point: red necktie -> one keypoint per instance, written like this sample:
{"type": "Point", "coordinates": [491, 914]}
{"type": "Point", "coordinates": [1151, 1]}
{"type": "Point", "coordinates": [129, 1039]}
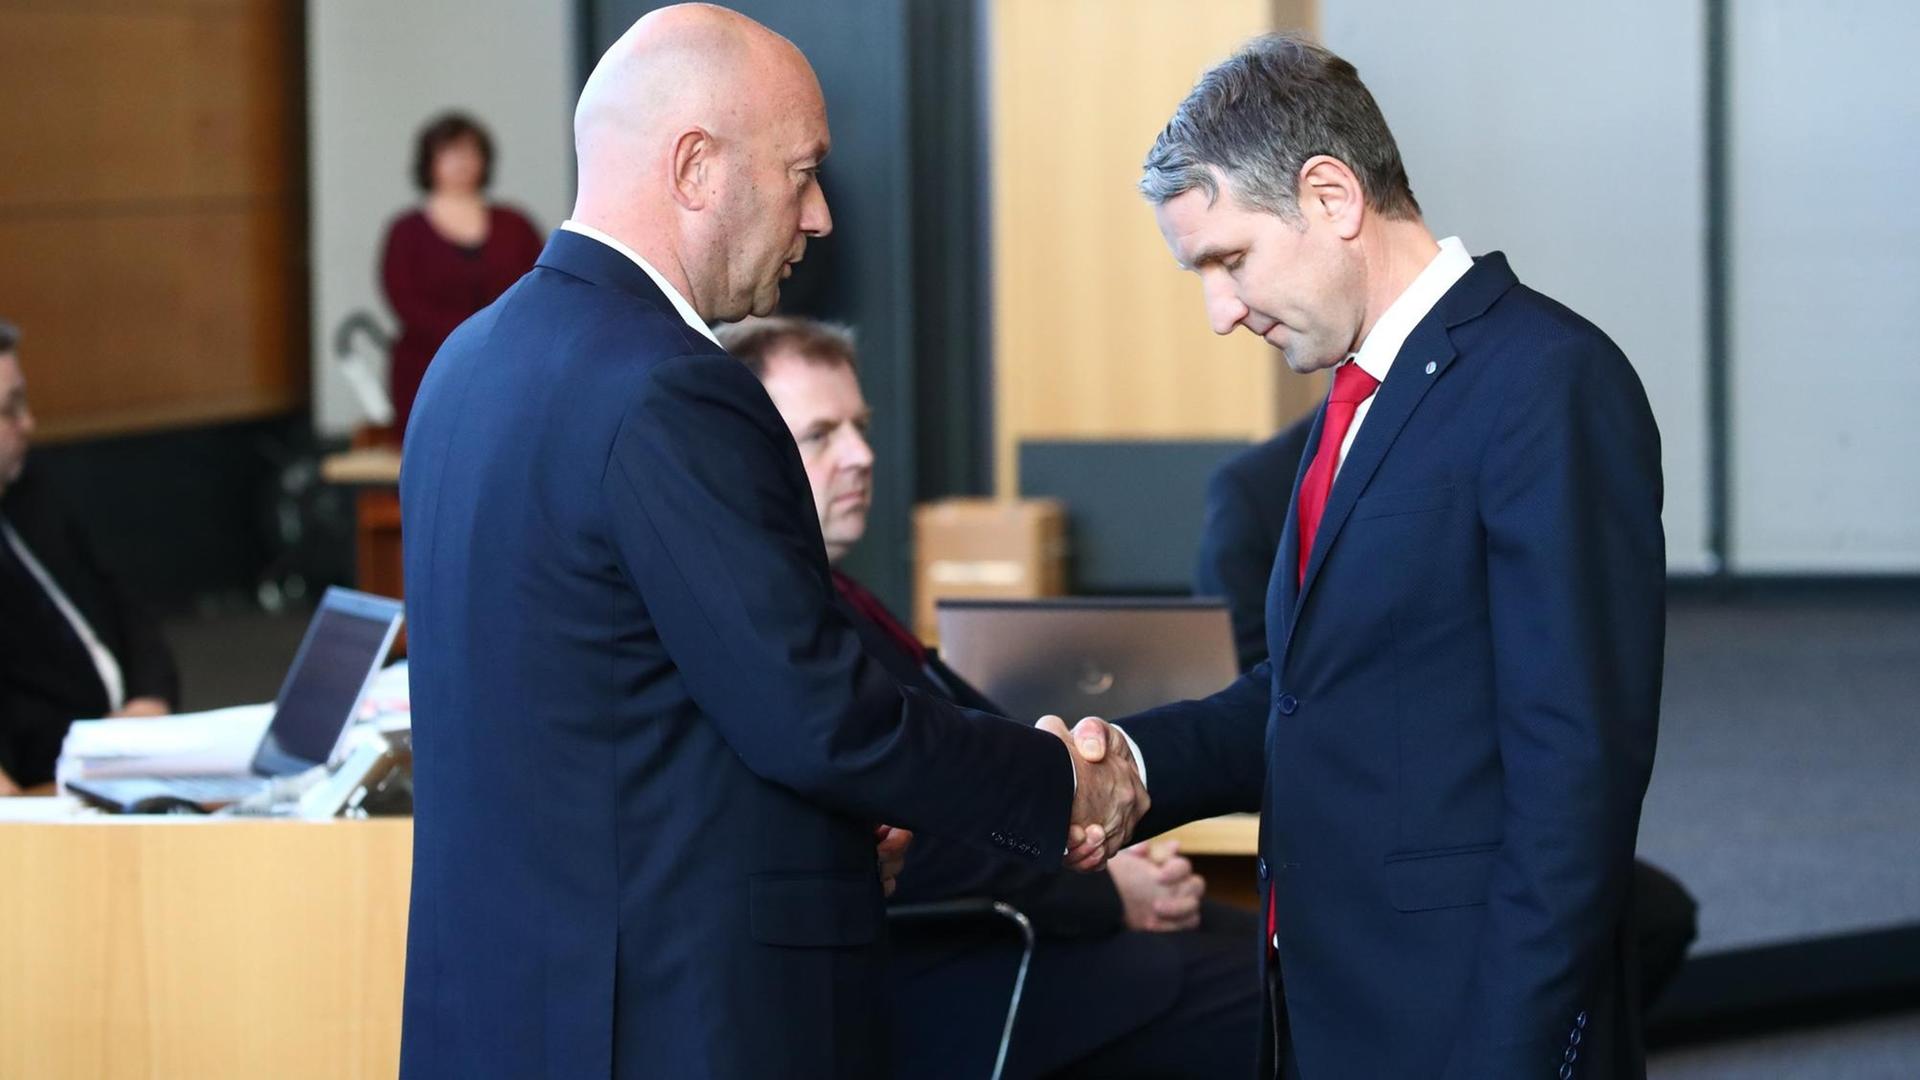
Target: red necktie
{"type": "Point", "coordinates": [864, 602]}
{"type": "Point", "coordinates": [1351, 386]}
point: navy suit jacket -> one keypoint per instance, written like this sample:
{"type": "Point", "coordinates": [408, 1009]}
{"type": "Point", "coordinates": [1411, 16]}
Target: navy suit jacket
{"type": "Point", "coordinates": [47, 677]}
{"type": "Point", "coordinates": [649, 752]}
{"type": "Point", "coordinates": [1451, 741]}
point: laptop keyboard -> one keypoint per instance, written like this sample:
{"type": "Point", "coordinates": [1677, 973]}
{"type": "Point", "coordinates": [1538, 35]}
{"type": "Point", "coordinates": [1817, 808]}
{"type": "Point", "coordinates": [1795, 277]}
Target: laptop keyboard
{"type": "Point", "coordinates": [214, 788]}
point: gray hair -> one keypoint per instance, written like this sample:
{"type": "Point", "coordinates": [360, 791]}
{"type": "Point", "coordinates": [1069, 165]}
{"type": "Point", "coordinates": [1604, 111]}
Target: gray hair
{"type": "Point", "coordinates": [1259, 115]}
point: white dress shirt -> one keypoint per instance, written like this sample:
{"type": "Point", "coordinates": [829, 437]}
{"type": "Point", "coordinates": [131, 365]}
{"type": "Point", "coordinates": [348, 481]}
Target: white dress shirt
{"type": "Point", "coordinates": [673, 295]}
{"type": "Point", "coordinates": [1383, 342]}
{"type": "Point", "coordinates": [104, 663]}
{"type": "Point", "coordinates": [1381, 346]}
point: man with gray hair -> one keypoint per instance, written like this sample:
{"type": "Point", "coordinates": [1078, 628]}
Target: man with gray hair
{"type": "Point", "coordinates": [1451, 739]}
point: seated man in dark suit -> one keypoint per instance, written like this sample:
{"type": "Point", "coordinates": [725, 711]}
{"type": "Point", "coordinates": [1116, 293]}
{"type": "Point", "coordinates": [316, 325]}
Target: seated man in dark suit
{"type": "Point", "coordinates": [1247, 501]}
{"type": "Point", "coordinates": [72, 645]}
{"type": "Point", "coordinates": [1136, 974]}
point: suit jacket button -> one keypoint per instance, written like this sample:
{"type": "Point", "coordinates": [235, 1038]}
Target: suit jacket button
{"type": "Point", "coordinates": [1261, 868]}
{"type": "Point", "coordinates": [1572, 1054]}
{"type": "Point", "coordinates": [1566, 1071]}
{"type": "Point", "coordinates": [1288, 703]}
{"type": "Point", "coordinates": [1580, 1021]}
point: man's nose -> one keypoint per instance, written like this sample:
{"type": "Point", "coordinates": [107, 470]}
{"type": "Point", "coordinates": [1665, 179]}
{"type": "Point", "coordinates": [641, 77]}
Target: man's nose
{"type": "Point", "coordinates": [815, 219]}
{"type": "Point", "coordinates": [1224, 309]}
{"type": "Point", "coordinates": [859, 454]}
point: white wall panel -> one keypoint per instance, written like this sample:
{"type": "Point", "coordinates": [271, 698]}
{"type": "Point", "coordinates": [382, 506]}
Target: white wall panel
{"type": "Point", "coordinates": [1571, 137]}
{"type": "Point", "coordinates": [1825, 306]}
{"type": "Point", "coordinates": [377, 69]}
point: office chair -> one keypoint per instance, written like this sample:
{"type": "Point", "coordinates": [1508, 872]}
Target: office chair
{"type": "Point", "coordinates": [982, 909]}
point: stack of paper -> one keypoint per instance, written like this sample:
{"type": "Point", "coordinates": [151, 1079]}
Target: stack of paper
{"type": "Point", "coordinates": [388, 702]}
{"type": "Point", "coordinates": [186, 744]}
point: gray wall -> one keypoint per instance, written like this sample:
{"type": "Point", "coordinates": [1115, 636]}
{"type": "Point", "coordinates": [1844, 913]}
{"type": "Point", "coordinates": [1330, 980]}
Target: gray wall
{"type": "Point", "coordinates": [1571, 137]}
{"type": "Point", "coordinates": [1574, 137]}
{"type": "Point", "coordinates": [376, 70]}
{"type": "Point", "coordinates": [1825, 306]}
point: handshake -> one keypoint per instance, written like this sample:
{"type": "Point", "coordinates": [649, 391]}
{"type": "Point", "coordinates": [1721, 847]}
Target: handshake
{"type": "Point", "coordinates": [1109, 799]}
{"type": "Point", "coordinates": [1109, 796]}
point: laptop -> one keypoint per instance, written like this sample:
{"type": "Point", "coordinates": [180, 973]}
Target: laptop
{"type": "Point", "coordinates": [346, 642]}
{"type": "Point", "coordinates": [1088, 656]}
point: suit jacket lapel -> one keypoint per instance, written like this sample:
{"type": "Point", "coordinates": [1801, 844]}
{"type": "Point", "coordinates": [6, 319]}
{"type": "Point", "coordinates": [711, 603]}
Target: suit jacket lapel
{"type": "Point", "coordinates": [1394, 402]}
{"type": "Point", "coordinates": [1283, 588]}
{"type": "Point", "coordinates": [1407, 383]}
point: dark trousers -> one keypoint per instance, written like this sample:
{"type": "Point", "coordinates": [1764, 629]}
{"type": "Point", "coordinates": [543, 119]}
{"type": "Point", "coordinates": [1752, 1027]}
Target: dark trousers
{"type": "Point", "coordinates": [1211, 1031]}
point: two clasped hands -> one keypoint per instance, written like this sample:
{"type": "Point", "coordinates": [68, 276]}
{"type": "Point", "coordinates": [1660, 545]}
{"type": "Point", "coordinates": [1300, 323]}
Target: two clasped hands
{"type": "Point", "coordinates": [1109, 796]}
{"type": "Point", "coordinates": [1109, 799]}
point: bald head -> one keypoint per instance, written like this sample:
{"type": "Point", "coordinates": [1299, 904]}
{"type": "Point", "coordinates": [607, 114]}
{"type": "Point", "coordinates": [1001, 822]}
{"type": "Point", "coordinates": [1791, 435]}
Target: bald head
{"type": "Point", "coordinates": [699, 136]}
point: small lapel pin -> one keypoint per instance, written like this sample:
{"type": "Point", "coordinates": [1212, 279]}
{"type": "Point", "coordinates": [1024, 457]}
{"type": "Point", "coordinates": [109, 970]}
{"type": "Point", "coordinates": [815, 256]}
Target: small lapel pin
{"type": "Point", "coordinates": [1432, 367]}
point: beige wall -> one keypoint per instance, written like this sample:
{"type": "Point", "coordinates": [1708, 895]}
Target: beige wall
{"type": "Point", "coordinates": [1097, 334]}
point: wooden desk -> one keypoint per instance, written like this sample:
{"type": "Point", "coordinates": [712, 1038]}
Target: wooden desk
{"type": "Point", "coordinates": [1234, 834]}
{"type": "Point", "coordinates": [1222, 850]}
{"type": "Point", "coordinates": [375, 471]}
{"type": "Point", "coordinates": [198, 948]}
{"type": "Point", "coordinates": [212, 948]}
{"type": "Point", "coordinates": [366, 466]}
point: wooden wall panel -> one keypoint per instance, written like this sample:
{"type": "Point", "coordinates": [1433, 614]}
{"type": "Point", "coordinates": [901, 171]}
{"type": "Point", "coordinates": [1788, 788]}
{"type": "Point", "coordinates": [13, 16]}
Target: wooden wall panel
{"type": "Point", "coordinates": [149, 317]}
{"type": "Point", "coordinates": [203, 948]}
{"type": "Point", "coordinates": [1097, 334]}
{"type": "Point", "coordinates": [149, 225]}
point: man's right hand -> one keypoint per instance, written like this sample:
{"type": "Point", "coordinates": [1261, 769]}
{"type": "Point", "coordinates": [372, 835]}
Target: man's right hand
{"type": "Point", "coordinates": [1108, 799]}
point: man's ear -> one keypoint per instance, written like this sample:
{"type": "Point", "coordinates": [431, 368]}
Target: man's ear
{"type": "Point", "coordinates": [1330, 192]}
{"type": "Point", "coordinates": [691, 161]}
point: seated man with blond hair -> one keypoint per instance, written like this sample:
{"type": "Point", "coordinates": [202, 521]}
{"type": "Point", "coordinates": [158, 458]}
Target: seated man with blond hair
{"type": "Point", "coordinates": [1175, 983]}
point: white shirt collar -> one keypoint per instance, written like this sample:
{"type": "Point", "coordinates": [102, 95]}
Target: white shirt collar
{"type": "Point", "coordinates": [1384, 340]}
{"type": "Point", "coordinates": [673, 295]}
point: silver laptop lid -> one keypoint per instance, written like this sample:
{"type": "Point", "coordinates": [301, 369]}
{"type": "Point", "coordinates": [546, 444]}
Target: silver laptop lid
{"type": "Point", "coordinates": [1088, 656]}
{"type": "Point", "coordinates": [346, 642]}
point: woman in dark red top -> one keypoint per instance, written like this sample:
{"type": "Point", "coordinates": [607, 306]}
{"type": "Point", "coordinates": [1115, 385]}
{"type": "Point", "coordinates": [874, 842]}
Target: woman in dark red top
{"type": "Point", "coordinates": [452, 256]}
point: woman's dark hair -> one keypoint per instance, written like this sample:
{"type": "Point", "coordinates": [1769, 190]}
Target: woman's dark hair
{"type": "Point", "coordinates": [447, 128]}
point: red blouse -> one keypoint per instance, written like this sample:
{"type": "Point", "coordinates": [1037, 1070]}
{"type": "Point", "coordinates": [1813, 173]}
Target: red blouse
{"type": "Point", "coordinates": [435, 284]}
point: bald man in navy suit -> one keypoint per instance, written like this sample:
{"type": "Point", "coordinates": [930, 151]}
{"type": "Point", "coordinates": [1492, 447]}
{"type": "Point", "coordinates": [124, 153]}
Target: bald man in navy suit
{"type": "Point", "coordinates": [650, 753]}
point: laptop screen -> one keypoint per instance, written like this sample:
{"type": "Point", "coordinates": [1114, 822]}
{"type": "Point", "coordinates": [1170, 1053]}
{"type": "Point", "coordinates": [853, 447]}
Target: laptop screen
{"type": "Point", "coordinates": [344, 646]}
{"type": "Point", "coordinates": [1088, 656]}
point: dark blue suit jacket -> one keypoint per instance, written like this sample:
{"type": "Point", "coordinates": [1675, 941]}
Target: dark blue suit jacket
{"type": "Point", "coordinates": [649, 752]}
{"type": "Point", "coordinates": [1451, 742]}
